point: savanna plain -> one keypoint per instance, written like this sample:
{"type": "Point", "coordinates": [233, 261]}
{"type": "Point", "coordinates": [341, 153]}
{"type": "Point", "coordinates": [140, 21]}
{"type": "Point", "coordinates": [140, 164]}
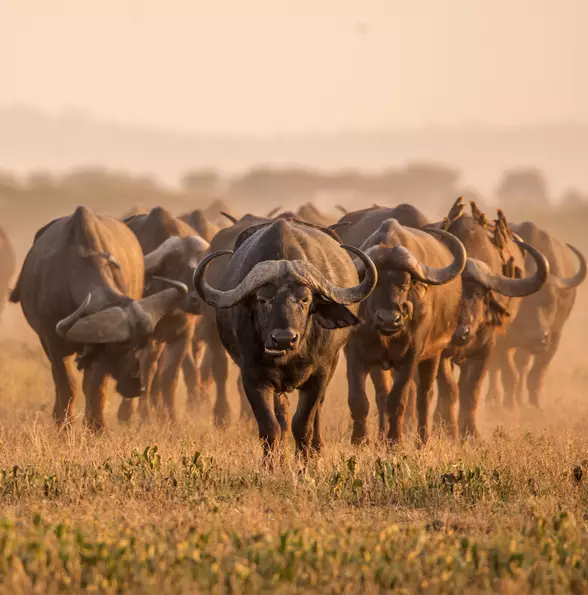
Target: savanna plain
{"type": "Point", "coordinates": [191, 508]}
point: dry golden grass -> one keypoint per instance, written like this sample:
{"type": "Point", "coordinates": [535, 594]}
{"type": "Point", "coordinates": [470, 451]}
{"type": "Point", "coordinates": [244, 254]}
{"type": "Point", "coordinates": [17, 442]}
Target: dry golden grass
{"type": "Point", "coordinates": [192, 509]}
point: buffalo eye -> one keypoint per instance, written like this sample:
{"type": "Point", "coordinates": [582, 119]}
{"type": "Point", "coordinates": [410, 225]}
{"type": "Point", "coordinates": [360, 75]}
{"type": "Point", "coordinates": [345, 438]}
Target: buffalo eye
{"type": "Point", "coordinates": [262, 301]}
{"type": "Point", "coordinates": [305, 300]}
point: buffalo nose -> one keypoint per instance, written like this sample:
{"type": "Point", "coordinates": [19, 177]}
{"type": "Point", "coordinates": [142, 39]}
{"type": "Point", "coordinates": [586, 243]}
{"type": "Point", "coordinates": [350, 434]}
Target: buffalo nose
{"type": "Point", "coordinates": [284, 339]}
{"type": "Point", "coordinates": [463, 333]}
{"type": "Point", "coordinates": [389, 317]}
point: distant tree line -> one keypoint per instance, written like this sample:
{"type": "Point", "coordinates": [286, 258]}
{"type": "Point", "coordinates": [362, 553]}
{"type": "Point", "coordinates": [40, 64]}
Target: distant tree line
{"type": "Point", "coordinates": [40, 196]}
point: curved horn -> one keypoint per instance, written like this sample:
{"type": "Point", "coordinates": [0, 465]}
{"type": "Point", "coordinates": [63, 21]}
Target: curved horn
{"type": "Point", "coordinates": [108, 326]}
{"type": "Point", "coordinates": [164, 302]}
{"type": "Point", "coordinates": [229, 217]}
{"type": "Point", "coordinates": [119, 324]}
{"type": "Point", "coordinates": [478, 271]}
{"type": "Point", "coordinates": [66, 323]}
{"type": "Point", "coordinates": [339, 225]}
{"type": "Point", "coordinates": [197, 243]}
{"type": "Point", "coordinates": [402, 258]}
{"type": "Point", "coordinates": [154, 259]}
{"type": "Point", "coordinates": [196, 248]}
{"type": "Point", "coordinates": [273, 212]}
{"type": "Point", "coordinates": [577, 279]}
{"type": "Point", "coordinates": [181, 287]}
{"type": "Point", "coordinates": [304, 272]}
{"type": "Point", "coordinates": [457, 249]}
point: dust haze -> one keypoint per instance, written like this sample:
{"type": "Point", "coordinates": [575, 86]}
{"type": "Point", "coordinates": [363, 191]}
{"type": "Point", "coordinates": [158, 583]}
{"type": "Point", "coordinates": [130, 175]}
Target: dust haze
{"type": "Point", "coordinates": [251, 106]}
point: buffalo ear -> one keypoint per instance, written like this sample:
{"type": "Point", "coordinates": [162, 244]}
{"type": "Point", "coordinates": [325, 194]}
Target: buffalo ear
{"type": "Point", "coordinates": [331, 315]}
{"type": "Point", "coordinates": [498, 313]}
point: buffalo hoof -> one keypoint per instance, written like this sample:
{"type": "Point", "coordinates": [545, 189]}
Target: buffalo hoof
{"type": "Point", "coordinates": [246, 412]}
{"type": "Point", "coordinates": [394, 442]}
{"type": "Point", "coordinates": [62, 422]}
{"type": "Point", "coordinates": [94, 426]}
{"type": "Point", "coordinates": [316, 447]}
{"type": "Point", "coordinates": [359, 435]}
{"type": "Point", "coordinates": [509, 404]}
{"type": "Point", "coordinates": [125, 411]}
{"type": "Point", "coordinates": [469, 433]}
{"type": "Point", "coordinates": [222, 417]}
{"type": "Point", "coordinates": [449, 428]}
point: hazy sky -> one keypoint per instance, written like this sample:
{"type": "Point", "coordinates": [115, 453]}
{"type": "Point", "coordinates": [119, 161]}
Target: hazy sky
{"type": "Point", "coordinates": [294, 66]}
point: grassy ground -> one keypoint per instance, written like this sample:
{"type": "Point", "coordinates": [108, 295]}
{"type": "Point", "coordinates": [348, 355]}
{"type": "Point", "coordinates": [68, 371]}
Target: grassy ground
{"type": "Point", "coordinates": [190, 508]}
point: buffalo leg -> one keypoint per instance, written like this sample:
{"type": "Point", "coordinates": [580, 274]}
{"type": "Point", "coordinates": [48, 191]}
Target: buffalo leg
{"type": "Point", "coordinates": [191, 375]}
{"type": "Point", "coordinates": [149, 361]}
{"type": "Point", "coordinates": [65, 389]}
{"type": "Point", "coordinates": [261, 400]}
{"type": "Point", "coordinates": [411, 417]}
{"type": "Point", "coordinates": [170, 374]}
{"type": "Point", "coordinates": [94, 384]}
{"type": "Point", "coordinates": [522, 359]}
{"type": "Point", "coordinates": [448, 397]}
{"type": "Point", "coordinates": [126, 410]}
{"type": "Point", "coordinates": [201, 357]}
{"type": "Point", "coordinates": [205, 369]}
{"type": "Point", "coordinates": [357, 398]}
{"type": "Point", "coordinates": [539, 371]}
{"type": "Point", "coordinates": [196, 368]}
{"type": "Point", "coordinates": [382, 380]}
{"type": "Point", "coordinates": [427, 375]}
{"type": "Point", "coordinates": [309, 401]}
{"type": "Point", "coordinates": [495, 394]}
{"type": "Point", "coordinates": [317, 435]}
{"type": "Point", "coordinates": [510, 377]}
{"type": "Point", "coordinates": [282, 414]}
{"type": "Point", "coordinates": [246, 412]}
{"type": "Point", "coordinates": [472, 376]}
{"type": "Point", "coordinates": [398, 399]}
{"type": "Point", "coordinates": [220, 371]}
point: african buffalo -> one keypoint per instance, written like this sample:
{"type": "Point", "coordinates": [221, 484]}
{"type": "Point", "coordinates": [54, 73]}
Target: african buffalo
{"type": "Point", "coordinates": [80, 289]}
{"type": "Point", "coordinates": [492, 282]}
{"type": "Point", "coordinates": [206, 333]}
{"type": "Point", "coordinates": [173, 249]}
{"type": "Point", "coordinates": [356, 226]}
{"type": "Point", "coordinates": [286, 303]}
{"type": "Point", "coordinates": [310, 214]}
{"type": "Point", "coordinates": [536, 331]}
{"type": "Point", "coordinates": [409, 320]}
{"type": "Point", "coordinates": [217, 213]}
{"type": "Point", "coordinates": [198, 221]}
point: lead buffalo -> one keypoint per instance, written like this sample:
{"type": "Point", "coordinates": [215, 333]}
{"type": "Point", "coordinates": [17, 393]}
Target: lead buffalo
{"type": "Point", "coordinates": [80, 289]}
{"type": "Point", "coordinates": [206, 332]}
{"type": "Point", "coordinates": [408, 322]}
{"type": "Point", "coordinates": [537, 329]}
{"type": "Point", "coordinates": [492, 284]}
{"type": "Point", "coordinates": [286, 305]}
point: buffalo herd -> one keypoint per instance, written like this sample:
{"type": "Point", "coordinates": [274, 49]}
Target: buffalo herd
{"type": "Point", "coordinates": [150, 298]}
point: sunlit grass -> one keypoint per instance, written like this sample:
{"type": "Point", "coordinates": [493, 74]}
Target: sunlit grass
{"type": "Point", "coordinates": [190, 508]}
